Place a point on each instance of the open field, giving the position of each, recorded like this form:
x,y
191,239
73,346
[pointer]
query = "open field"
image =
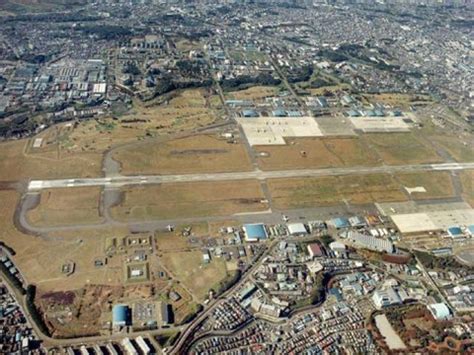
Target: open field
x,y
257,93
467,181
401,148
180,200
15,164
41,260
174,241
403,101
327,191
196,154
436,184
301,153
189,268
77,206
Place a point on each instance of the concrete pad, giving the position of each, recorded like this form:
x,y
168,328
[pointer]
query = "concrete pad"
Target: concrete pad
x,y
272,130
380,124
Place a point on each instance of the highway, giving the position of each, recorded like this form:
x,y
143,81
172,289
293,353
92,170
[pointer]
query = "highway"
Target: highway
x,y
118,181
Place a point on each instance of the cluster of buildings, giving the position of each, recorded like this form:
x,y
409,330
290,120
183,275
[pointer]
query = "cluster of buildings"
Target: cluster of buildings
x,y
16,334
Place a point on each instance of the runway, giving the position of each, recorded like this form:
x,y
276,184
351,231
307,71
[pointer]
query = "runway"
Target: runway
x,y
118,181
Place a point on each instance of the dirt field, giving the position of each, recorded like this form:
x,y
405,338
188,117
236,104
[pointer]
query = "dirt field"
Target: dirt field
x,y
318,153
71,207
181,200
401,148
467,181
189,268
15,164
196,154
326,191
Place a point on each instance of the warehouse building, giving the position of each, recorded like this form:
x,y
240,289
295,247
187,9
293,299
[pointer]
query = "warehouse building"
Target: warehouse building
x,y
121,315
255,232
439,311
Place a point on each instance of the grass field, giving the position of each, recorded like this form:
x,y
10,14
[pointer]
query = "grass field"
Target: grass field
x,y
328,191
436,184
467,181
181,200
401,148
174,241
256,93
188,267
40,260
58,207
403,101
320,153
196,154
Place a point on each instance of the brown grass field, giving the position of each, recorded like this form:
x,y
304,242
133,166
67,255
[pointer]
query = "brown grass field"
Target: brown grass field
x,y
436,184
257,93
15,164
401,148
188,267
199,199
40,260
196,154
403,101
327,191
72,207
467,181
320,153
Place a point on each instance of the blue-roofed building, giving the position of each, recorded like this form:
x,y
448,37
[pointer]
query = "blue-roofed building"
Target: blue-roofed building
x,y
340,222
353,113
294,114
121,315
249,113
336,293
455,232
255,232
279,113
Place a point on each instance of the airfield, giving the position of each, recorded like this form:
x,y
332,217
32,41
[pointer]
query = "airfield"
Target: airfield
x,y
87,207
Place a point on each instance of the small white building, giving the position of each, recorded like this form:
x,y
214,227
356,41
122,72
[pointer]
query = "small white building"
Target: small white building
x,y
297,229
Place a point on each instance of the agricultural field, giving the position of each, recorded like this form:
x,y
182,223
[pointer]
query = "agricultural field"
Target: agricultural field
x,y
195,154
189,269
302,153
436,184
184,200
329,191
401,148
75,207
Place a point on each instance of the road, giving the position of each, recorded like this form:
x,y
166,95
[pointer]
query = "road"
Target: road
x,y
118,181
